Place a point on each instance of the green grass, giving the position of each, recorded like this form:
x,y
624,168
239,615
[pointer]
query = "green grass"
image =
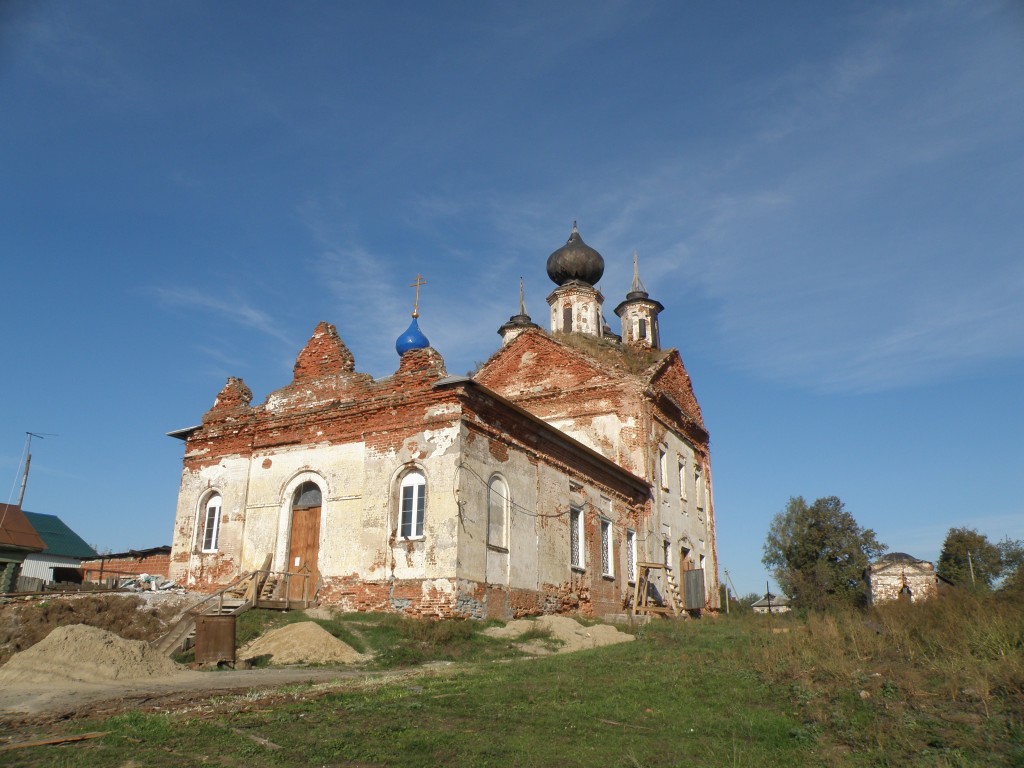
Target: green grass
x,y
931,686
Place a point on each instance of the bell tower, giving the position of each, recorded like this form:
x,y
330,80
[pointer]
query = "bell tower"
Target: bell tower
x,y
576,305
639,314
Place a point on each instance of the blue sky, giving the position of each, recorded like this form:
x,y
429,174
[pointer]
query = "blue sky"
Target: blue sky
x,y
827,198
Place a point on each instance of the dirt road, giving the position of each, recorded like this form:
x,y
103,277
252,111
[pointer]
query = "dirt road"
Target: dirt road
x,y
24,704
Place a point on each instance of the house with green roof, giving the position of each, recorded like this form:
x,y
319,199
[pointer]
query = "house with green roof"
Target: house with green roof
x,y
65,549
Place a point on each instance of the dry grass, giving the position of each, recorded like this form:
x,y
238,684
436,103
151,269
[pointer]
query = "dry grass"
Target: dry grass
x,y
906,680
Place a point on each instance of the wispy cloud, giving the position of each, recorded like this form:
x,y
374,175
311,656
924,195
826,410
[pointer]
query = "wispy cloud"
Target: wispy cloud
x,y
229,305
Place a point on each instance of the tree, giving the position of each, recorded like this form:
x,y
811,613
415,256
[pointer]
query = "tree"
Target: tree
x,y
818,553
1012,553
986,559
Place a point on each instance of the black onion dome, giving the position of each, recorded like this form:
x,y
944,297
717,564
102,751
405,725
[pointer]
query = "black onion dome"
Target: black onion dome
x,y
575,261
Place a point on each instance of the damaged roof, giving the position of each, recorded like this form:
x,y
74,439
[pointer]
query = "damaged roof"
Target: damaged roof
x,y
16,532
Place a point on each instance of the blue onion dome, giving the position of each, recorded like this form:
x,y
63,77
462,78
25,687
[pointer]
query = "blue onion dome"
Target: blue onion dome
x,y
413,338
575,261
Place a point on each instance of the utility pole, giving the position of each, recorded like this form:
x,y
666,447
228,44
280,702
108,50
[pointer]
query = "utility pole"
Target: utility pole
x,y
729,579
970,564
28,461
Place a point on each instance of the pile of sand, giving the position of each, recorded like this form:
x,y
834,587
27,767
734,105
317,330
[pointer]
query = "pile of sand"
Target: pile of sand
x,y
304,642
573,635
81,653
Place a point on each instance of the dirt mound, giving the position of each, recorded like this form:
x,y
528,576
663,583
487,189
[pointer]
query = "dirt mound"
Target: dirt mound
x,y
573,635
145,616
85,654
302,643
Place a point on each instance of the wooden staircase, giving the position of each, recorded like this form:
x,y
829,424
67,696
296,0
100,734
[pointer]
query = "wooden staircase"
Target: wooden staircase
x,y
645,602
264,588
674,596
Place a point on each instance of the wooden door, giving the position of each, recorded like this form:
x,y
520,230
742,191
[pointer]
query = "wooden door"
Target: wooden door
x,y
303,552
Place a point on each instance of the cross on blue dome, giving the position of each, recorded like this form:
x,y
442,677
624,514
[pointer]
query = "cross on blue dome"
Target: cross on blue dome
x,y
413,337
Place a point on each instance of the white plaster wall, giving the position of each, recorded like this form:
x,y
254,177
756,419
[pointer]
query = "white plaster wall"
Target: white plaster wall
x,y
358,524
229,479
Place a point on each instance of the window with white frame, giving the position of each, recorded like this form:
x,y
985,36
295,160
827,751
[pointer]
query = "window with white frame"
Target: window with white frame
x,y
631,556
606,548
698,481
211,522
576,537
682,478
663,469
413,496
497,512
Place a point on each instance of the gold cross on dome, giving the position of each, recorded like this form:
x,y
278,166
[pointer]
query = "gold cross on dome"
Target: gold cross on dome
x,y
416,284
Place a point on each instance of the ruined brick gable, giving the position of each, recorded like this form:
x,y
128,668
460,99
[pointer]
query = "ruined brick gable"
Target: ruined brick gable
x,y
534,363
670,378
327,401
324,354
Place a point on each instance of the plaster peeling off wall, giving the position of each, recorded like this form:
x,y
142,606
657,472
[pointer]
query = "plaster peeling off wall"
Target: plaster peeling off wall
x,y
441,440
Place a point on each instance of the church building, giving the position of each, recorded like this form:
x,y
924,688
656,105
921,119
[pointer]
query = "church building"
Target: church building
x,y
571,461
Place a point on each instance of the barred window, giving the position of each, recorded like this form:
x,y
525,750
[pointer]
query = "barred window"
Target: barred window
x,y
631,556
576,537
606,548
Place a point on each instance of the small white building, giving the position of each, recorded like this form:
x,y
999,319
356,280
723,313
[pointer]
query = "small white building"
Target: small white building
x,y
897,576
771,604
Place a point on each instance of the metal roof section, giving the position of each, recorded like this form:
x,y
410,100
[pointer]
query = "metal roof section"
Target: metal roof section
x,y
60,540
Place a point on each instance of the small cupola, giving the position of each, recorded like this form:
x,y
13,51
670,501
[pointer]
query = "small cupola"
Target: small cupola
x,y
639,314
517,323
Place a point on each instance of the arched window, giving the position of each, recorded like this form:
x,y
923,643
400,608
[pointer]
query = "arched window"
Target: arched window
x,y
413,500
497,512
307,496
211,522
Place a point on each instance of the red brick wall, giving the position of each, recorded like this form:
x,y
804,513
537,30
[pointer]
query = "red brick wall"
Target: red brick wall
x,y
154,565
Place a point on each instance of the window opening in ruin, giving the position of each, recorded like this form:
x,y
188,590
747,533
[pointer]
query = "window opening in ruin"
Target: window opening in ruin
x,y
576,537
667,547
663,469
567,318
698,481
211,524
606,548
413,495
497,512
685,562
631,556
643,328
682,479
